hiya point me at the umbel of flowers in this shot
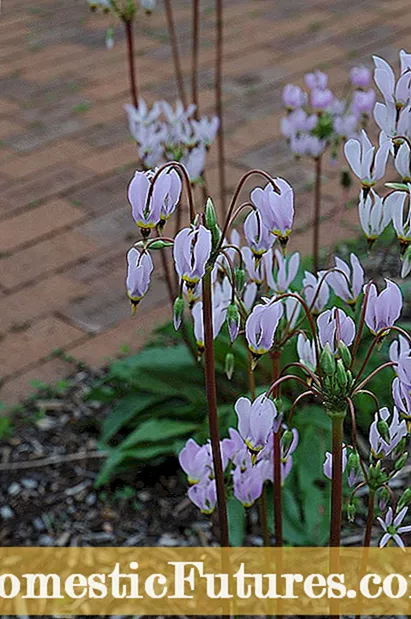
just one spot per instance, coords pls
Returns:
(244, 281)
(166, 134)
(317, 120)
(369, 162)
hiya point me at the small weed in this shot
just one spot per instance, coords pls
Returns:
(81, 108)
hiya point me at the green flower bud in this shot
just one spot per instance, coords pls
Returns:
(229, 365)
(383, 429)
(286, 440)
(211, 222)
(341, 374)
(160, 244)
(345, 354)
(233, 321)
(353, 463)
(405, 499)
(210, 215)
(239, 279)
(401, 461)
(178, 311)
(327, 361)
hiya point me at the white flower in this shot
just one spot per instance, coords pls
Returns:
(374, 215)
(401, 220)
(366, 163)
(313, 292)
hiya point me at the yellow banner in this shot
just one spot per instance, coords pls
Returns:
(204, 581)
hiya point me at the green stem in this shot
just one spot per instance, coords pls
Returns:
(211, 393)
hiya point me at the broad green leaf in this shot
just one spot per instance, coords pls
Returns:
(236, 522)
(159, 430)
(128, 408)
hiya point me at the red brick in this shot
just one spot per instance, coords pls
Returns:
(36, 223)
(39, 260)
(28, 304)
(133, 332)
(111, 159)
(20, 350)
(19, 388)
(62, 152)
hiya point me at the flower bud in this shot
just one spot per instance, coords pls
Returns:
(233, 321)
(239, 279)
(351, 512)
(286, 440)
(383, 498)
(178, 311)
(383, 429)
(158, 244)
(345, 354)
(401, 461)
(229, 365)
(210, 214)
(353, 463)
(327, 361)
(341, 374)
(211, 222)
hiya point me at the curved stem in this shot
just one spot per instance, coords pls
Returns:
(175, 52)
(128, 25)
(236, 193)
(219, 100)
(211, 393)
(336, 481)
(283, 379)
(362, 322)
(295, 404)
(367, 357)
(317, 213)
(359, 387)
(353, 423)
(184, 174)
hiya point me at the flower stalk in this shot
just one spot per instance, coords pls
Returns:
(337, 420)
(317, 213)
(128, 25)
(175, 52)
(277, 485)
(211, 394)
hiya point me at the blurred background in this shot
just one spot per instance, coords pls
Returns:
(66, 156)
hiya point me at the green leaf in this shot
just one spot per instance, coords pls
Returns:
(128, 408)
(236, 522)
(110, 465)
(155, 430)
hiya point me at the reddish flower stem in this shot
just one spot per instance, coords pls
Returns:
(128, 25)
(277, 485)
(194, 56)
(317, 213)
(211, 393)
(175, 52)
(219, 101)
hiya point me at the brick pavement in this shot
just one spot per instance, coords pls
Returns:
(66, 157)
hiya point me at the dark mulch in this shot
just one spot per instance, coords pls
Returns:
(54, 502)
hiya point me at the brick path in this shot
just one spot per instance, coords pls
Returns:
(66, 157)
